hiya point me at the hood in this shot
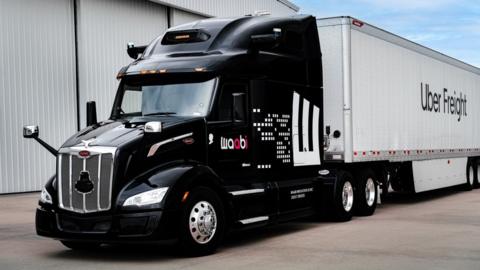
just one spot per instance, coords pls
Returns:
(117, 133)
(134, 155)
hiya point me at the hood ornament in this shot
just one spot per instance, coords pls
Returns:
(88, 142)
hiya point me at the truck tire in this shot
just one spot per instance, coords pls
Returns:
(343, 197)
(366, 193)
(80, 245)
(476, 182)
(202, 222)
(471, 175)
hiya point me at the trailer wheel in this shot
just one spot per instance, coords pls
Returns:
(471, 173)
(367, 193)
(80, 245)
(202, 222)
(343, 197)
(476, 182)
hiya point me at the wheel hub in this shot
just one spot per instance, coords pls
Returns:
(203, 222)
(370, 191)
(471, 174)
(347, 196)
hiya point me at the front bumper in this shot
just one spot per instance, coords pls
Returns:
(150, 226)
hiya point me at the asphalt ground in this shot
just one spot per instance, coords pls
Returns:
(435, 230)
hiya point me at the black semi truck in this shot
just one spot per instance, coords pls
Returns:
(217, 125)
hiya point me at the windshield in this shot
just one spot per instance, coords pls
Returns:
(186, 99)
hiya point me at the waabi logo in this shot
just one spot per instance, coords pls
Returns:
(240, 143)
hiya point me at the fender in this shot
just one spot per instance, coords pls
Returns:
(180, 177)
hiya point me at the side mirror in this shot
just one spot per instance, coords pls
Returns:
(266, 41)
(133, 51)
(30, 132)
(91, 113)
(238, 107)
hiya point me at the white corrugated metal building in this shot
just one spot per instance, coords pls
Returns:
(55, 55)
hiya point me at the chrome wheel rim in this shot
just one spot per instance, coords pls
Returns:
(347, 196)
(370, 191)
(202, 222)
(471, 174)
(478, 174)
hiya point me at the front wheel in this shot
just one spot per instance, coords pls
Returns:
(203, 222)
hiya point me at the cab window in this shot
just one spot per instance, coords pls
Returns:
(229, 93)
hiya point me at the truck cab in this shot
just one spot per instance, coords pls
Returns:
(216, 125)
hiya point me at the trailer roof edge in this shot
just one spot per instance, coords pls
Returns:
(398, 40)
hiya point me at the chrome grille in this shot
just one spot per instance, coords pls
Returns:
(98, 165)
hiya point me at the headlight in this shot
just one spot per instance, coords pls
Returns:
(146, 198)
(45, 197)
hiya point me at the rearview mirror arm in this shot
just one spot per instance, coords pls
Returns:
(50, 149)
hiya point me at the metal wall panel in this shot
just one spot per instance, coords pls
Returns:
(104, 29)
(181, 17)
(228, 8)
(37, 86)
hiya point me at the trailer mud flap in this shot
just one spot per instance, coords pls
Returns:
(327, 191)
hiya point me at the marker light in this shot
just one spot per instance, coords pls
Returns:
(179, 37)
(357, 23)
(122, 72)
(200, 69)
(147, 198)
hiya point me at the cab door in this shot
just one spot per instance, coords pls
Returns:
(229, 138)
(230, 154)
(287, 121)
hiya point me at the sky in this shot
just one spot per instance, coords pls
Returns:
(451, 27)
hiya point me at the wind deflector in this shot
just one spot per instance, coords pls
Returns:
(185, 36)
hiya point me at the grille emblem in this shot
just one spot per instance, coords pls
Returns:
(84, 153)
(84, 184)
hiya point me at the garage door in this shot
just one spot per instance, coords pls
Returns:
(37, 86)
(104, 29)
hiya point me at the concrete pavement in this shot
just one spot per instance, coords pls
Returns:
(437, 230)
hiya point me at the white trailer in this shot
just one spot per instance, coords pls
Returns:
(388, 99)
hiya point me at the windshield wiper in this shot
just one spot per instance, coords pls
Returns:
(160, 113)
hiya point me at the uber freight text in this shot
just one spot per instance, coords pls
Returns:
(433, 102)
